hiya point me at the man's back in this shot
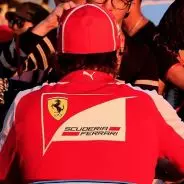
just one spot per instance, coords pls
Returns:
(88, 127)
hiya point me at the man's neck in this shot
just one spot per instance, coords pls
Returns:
(133, 23)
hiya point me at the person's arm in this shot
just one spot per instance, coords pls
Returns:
(8, 54)
(167, 171)
(8, 62)
(33, 36)
(170, 169)
(172, 147)
(42, 40)
(175, 74)
(7, 143)
(52, 21)
(168, 65)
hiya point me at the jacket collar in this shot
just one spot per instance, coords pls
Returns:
(88, 76)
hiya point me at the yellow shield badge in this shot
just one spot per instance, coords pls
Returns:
(57, 107)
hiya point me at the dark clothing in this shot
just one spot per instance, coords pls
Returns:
(164, 59)
(138, 65)
(45, 48)
(35, 56)
(145, 61)
(143, 64)
(35, 53)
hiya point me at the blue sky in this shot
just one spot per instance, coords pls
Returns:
(154, 9)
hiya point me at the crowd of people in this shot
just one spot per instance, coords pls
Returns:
(112, 79)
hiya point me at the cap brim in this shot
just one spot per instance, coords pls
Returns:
(11, 15)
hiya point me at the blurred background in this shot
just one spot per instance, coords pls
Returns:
(153, 9)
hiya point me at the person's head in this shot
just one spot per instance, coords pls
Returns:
(119, 8)
(171, 28)
(26, 15)
(88, 39)
(136, 6)
(57, 2)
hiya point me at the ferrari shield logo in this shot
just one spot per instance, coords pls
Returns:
(57, 107)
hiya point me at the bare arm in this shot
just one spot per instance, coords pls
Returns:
(52, 21)
(176, 75)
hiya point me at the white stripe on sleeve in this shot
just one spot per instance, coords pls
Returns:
(166, 110)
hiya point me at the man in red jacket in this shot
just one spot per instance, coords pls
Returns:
(89, 127)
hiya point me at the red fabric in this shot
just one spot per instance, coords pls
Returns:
(6, 33)
(88, 29)
(44, 148)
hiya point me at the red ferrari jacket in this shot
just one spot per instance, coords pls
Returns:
(89, 128)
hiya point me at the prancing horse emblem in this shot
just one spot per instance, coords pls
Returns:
(57, 107)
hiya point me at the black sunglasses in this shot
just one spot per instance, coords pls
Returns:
(18, 21)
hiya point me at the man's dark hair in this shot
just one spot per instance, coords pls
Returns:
(171, 26)
(104, 62)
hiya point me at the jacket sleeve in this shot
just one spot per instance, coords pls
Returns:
(40, 49)
(171, 132)
(35, 52)
(8, 58)
(32, 39)
(167, 112)
(172, 146)
(7, 143)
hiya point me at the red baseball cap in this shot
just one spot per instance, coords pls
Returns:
(6, 33)
(88, 29)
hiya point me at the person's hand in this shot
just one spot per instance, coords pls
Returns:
(52, 21)
(54, 17)
(168, 172)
